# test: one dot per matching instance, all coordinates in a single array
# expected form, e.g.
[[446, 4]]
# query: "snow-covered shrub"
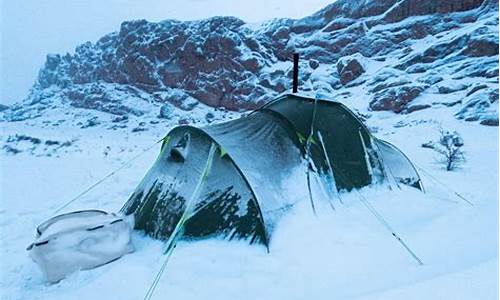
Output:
[[449, 148]]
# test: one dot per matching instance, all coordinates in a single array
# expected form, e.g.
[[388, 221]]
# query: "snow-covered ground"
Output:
[[342, 254], [436, 70]]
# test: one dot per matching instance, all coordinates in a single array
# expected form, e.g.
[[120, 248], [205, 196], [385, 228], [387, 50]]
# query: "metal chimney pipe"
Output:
[[295, 73]]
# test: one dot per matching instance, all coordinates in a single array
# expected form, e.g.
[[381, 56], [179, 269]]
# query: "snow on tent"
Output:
[[242, 196]]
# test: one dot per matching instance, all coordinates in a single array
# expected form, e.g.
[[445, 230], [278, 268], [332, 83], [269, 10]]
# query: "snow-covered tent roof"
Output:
[[243, 194]]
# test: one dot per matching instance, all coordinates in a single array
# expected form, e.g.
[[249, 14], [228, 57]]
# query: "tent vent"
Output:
[[180, 151], [295, 72]]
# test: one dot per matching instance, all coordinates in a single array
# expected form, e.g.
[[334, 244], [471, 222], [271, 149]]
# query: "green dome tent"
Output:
[[242, 196]]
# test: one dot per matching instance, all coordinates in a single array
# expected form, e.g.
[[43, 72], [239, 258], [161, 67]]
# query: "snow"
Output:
[[342, 254]]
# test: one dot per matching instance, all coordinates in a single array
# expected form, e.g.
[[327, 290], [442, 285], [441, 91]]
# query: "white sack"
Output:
[[79, 240]]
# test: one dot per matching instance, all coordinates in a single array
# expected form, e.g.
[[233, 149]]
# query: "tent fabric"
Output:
[[226, 206], [244, 196], [341, 132], [399, 165], [266, 143]]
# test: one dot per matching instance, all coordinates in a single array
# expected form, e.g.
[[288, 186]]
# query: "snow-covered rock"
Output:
[[349, 68], [481, 105], [396, 98]]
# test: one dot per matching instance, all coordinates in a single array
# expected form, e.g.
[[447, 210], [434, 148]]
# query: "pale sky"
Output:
[[30, 29]]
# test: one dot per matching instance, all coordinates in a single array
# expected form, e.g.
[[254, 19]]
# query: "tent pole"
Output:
[[308, 156], [330, 169], [386, 170], [179, 227]]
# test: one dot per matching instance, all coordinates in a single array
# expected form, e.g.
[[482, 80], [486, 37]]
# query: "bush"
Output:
[[449, 148]]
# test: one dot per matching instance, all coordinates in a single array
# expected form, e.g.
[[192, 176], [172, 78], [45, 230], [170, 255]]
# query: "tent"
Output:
[[243, 196]]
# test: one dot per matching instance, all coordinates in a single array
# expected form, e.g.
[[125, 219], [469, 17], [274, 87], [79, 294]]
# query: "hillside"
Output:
[[381, 55]]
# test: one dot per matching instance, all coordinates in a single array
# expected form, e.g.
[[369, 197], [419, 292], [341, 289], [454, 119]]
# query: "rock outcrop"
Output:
[[414, 48]]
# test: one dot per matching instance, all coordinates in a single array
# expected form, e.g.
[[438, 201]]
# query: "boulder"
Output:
[[396, 98], [477, 67], [209, 117], [182, 100], [389, 83], [451, 88], [487, 46], [490, 121], [475, 88], [430, 79], [481, 105], [481, 43], [314, 64], [386, 74], [416, 107], [349, 68], [166, 111]]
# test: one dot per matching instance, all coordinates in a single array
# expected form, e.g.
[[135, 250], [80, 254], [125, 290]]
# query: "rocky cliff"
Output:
[[392, 55]]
